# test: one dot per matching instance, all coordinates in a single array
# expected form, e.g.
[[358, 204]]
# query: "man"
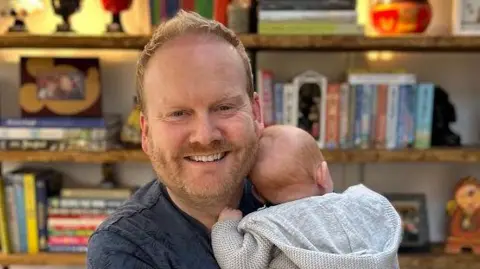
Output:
[[200, 122]]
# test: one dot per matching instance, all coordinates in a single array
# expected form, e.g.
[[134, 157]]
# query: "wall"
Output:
[[456, 72]]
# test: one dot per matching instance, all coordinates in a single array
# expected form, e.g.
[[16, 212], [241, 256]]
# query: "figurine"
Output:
[[443, 115], [116, 7], [65, 8], [19, 10], [464, 213], [131, 133]]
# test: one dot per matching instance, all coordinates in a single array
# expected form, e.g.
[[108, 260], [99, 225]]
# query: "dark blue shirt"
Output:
[[150, 231]]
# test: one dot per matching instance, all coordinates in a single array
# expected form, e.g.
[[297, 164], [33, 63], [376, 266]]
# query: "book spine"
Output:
[[54, 122], [344, 111], [204, 8], [366, 116], [47, 133], [20, 211], [359, 92], [411, 112], [424, 114], [381, 116], [11, 207], [42, 214], [332, 138], [31, 213], [278, 96], [4, 238], [392, 115]]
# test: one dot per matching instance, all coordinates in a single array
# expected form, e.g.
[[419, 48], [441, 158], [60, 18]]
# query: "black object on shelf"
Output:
[[443, 114]]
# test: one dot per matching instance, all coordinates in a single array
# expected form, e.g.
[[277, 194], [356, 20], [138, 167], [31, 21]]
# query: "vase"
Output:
[[116, 7], [65, 8], [400, 16]]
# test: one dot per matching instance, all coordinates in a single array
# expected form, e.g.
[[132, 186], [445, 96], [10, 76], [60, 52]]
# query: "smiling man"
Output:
[[201, 122]]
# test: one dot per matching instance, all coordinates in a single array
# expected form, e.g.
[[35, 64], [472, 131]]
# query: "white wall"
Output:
[[457, 72]]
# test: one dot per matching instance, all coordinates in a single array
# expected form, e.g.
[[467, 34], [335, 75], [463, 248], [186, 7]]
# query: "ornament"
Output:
[[400, 16], [65, 8], [116, 7]]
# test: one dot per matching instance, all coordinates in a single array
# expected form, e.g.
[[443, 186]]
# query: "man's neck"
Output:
[[207, 213]]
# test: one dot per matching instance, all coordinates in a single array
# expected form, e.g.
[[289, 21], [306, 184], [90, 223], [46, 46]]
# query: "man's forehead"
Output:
[[194, 43]]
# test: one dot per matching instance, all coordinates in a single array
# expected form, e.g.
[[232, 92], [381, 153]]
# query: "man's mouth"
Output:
[[207, 158]]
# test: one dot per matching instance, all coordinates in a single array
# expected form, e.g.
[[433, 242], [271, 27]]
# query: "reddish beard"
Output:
[[171, 171]]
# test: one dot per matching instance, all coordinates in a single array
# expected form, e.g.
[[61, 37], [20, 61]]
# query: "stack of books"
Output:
[[61, 133], [308, 17]]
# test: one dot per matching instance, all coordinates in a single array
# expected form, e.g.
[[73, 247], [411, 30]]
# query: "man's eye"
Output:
[[177, 113], [224, 108]]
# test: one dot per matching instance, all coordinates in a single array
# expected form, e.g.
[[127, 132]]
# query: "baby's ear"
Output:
[[324, 180]]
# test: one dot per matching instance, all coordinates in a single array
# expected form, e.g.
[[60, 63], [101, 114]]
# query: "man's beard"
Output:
[[171, 172]]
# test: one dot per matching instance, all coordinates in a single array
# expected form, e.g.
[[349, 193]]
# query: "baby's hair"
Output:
[[287, 155]]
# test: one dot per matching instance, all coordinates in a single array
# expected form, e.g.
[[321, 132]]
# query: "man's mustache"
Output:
[[212, 148]]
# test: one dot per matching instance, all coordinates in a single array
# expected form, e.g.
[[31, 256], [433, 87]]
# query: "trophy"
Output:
[[65, 8], [19, 10], [116, 7]]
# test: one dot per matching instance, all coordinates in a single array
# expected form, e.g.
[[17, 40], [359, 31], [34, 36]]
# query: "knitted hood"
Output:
[[357, 229]]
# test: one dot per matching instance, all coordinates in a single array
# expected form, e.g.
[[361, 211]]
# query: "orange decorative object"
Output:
[[464, 217], [400, 16]]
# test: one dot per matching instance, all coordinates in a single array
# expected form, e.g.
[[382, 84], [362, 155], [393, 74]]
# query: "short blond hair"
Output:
[[183, 23]]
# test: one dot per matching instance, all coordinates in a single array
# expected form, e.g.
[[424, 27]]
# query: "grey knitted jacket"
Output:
[[357, 229]]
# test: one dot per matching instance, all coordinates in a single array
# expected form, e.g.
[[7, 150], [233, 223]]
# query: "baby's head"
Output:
[[289, 166]]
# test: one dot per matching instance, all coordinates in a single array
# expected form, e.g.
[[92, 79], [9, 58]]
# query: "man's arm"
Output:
[[234, 250], [108, 250]]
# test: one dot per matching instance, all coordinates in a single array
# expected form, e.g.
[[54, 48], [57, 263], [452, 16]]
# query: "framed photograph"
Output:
[[61, 86], [466, 17], [310, 90], [57, 86], [412, 209]]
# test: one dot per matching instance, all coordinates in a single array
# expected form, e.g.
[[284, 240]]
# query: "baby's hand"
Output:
[[230, 214]]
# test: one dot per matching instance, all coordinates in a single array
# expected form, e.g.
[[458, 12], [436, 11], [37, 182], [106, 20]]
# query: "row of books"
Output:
[[385, 111], [61, 133], [310, 17], [38, 215], [162, 10]]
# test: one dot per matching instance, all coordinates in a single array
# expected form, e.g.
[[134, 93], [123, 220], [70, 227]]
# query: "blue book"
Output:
[[424, 115], [61, 122]]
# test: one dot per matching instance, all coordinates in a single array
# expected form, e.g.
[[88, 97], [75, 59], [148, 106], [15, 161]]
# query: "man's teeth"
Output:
[[207, 158]]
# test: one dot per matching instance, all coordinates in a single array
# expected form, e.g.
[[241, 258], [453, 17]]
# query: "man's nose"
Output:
[[205, 130]]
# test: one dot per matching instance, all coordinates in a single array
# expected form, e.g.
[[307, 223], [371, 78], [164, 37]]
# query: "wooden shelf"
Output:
[[455, 155], [254, 41], [57, 259], [436, 260], [79, 157]]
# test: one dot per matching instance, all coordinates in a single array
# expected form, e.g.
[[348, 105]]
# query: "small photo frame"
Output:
[[61, 86], [310, 91], [466, 17], [412, 209]]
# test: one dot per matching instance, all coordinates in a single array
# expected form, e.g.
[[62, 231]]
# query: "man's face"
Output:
[[200, 129]]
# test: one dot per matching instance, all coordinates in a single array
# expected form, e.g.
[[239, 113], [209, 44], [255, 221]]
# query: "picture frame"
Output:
[[466, 17], [310, 91], [412, 208], [60, 87]]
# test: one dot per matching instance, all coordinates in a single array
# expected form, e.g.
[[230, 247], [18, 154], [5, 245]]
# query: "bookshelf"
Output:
[[456, 155], [257, 42], [435, 259]]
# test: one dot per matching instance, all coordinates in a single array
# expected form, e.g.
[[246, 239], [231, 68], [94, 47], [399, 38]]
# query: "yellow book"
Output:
[[4, 240], [31, 213]]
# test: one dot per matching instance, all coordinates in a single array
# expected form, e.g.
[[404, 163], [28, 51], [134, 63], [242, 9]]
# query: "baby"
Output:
[[307, 225]]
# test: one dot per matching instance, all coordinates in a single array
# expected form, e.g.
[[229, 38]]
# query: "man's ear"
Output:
[[323, 178], [258, 112], [144, 127]]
